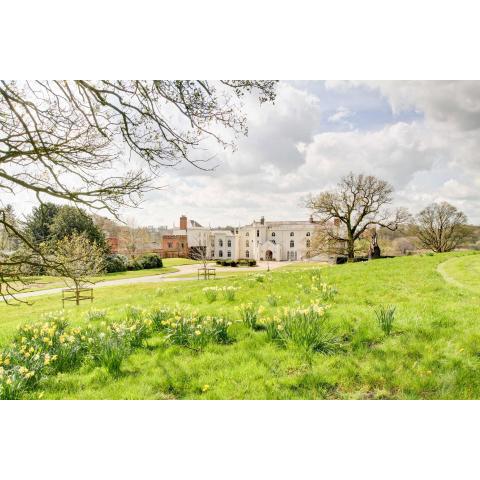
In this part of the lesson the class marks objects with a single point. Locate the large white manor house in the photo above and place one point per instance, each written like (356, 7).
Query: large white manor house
(260, 240)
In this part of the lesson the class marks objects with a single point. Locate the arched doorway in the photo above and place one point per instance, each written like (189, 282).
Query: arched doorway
(268, 255)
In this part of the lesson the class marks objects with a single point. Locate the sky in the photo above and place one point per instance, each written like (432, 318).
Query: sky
(421, 136)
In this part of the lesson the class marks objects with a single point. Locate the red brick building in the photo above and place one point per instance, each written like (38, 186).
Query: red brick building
(174, 246)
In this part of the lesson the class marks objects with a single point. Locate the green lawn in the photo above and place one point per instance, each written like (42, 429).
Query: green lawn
(47, 282)
(433, 351)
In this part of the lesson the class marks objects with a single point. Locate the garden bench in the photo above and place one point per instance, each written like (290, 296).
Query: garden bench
(70, 295)
(206, 273)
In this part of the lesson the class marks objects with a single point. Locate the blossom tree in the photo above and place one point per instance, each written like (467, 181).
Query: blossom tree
(77, 259)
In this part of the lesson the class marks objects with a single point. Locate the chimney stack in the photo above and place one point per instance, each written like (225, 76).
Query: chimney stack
(183, 222)
(262, 220)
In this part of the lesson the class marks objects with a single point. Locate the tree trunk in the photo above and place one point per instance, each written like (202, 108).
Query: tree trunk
(350, 250)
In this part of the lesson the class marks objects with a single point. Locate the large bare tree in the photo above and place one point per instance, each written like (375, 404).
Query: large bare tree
(60, 139)
(441, 227)
(358, 203)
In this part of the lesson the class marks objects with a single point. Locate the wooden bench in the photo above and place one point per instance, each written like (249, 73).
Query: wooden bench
(70, 295)
(206, 273)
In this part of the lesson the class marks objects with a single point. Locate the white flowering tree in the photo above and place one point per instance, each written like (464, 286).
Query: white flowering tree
(78, 260)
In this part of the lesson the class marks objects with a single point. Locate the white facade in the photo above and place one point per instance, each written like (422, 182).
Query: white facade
(288, 240)
(276, 241)
(223, 245)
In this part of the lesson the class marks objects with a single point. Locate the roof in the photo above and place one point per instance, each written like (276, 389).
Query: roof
(280, 223)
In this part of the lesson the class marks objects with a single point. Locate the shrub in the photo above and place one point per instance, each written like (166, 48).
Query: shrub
(133, 265)
(304, 328)
(252, 263)
(116, 263)
(150, 260)
(259, 278)
(211, 293)
(385, 317)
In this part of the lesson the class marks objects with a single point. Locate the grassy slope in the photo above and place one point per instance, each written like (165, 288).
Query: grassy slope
(434, 352)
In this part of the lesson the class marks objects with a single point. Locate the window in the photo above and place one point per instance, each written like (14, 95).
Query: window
(292, 234)
(229, 253)
(247, 243)
(220, 253)
(292, 243)
(220, 243)
(273, 234)
(258, 233)
(182, 245)
(247, 234)
(229, 243)
(212, 253)
(247, 254)
(308, 243)
(170, 244)
(308, 234)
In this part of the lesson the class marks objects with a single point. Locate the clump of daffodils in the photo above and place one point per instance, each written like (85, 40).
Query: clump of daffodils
(249, 314)
(303, 327)
(211, 293)
(194, 330)
(229, 293)
(51, 346)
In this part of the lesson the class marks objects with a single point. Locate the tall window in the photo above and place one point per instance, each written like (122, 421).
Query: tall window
(258, 233)
(308, 243)
(247, 243)
(229, 243)
(229, 253)
(220, 253)
(212, 253)
(247, 234)
(170, 244)
(273, 234)
(220, 243)
(247, 254)
(292, 243)
(292, 234)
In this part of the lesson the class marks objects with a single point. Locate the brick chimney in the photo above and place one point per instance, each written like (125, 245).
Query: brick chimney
(183, 222)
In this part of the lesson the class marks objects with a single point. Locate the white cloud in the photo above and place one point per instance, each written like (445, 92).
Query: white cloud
(341, 115)
(286, 154)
